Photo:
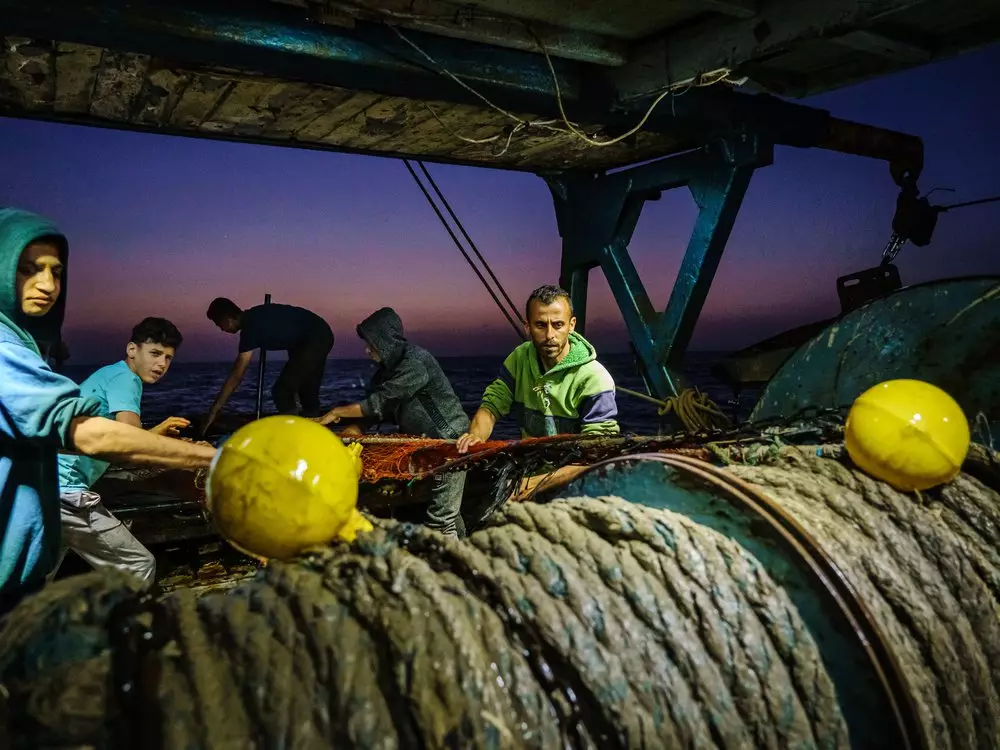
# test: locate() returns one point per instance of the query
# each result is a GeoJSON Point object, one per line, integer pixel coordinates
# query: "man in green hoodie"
{"type": "Point", "coordinates": [553, 383]}
{"type": "Point", "coordinates": [42, 412]}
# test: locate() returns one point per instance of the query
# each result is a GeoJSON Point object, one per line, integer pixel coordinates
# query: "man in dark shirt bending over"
{"type": "Point", "coordinates": [303, 334]}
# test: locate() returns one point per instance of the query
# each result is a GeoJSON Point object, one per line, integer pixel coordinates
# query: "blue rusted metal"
{"type": "Point", "coordinates": [597, 216]}
{"type": "Point", "coordinates": [944, 332]}
{"type": "Point", "coordinates": [872, 694]}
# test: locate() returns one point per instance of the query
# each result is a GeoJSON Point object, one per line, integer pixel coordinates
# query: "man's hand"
{"type": "Point", "coordinates": [466, 441]}
{"type": "Point", "coordinates": [171, 426]}
{"type": "Point", "coordinates": [351, 431]}
{"type": "Point", "coordinates": [329, 417]}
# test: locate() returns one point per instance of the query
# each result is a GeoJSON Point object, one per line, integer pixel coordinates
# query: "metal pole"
{"type": "Point", "coordinates": [260, 369]}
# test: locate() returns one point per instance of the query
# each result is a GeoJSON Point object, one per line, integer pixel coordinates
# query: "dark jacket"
{"type": "Point", "coordinates": [409, 387]}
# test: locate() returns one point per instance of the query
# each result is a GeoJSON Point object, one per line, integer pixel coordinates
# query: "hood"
{"type": "Point", "coordinates": [383, 330]}
{"type": "Point", "coordinates": [580, 353]}
{"type": "Point", "coordinates": [17, 230]}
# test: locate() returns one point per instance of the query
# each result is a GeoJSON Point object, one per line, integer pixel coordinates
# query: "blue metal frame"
{"type": "Point", "coordinates": [597, 216]}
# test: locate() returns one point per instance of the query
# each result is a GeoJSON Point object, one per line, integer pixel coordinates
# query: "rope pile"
{"type": "Point", "coordinates": [580, 623]}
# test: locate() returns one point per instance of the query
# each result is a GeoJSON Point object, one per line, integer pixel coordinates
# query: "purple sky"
{"type": "Point", "coordinates": [159, 225]}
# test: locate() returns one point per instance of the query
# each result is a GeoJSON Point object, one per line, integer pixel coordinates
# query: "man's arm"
{"type": "Point", "coordinates": [403, 385]}
{"type": "Point", "coordinates": [118, 442]}
{"type": "Point", "coordinates": [479, 431]}
{"type": "Point", "coordinates": [598, 407]}
{"type": "Point", "coordinates": [350, 411]}
{"type": "Point", "coordinates": [232, 383]}
{"type": "Point", "coordinates": [169, 426]}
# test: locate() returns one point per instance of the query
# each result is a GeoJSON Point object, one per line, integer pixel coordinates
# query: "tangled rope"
{"type": "Point", "coordinates": [580, 623]}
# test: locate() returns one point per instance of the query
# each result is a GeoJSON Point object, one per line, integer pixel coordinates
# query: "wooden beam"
{"type": "Point", "coordinates": [683, 56]}
{"type": "Point", "coordinates": [881, 45]}
{"type": "Point", "coordinates": [734, 8]}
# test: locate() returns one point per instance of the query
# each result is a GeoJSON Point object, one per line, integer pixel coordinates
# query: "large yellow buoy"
{"type": "Point", "coordinates": [908, 433]}
{"type": "Point", "coordinates": [281, 484]}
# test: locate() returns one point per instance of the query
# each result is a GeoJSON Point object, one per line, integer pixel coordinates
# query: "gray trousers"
{"type": "Point", "coordinates": [96, 535]}
{"type": "Point", "coordinates": [444, 512]}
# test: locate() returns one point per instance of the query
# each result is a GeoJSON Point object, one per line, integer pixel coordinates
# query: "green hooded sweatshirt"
{"type": "Point", "coordinates": [37, 407]}
{"type": "Point", "coordinates": [575, 396]}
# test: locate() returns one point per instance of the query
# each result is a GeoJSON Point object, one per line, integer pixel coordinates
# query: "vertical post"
{"type": "Point", "coordinates": [260, 369]}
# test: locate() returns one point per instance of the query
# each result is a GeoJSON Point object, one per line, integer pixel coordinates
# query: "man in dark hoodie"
{"type": "Point", "coordinates": [410, 389]}
{"type": "Point", "coordinates": [42, 412]}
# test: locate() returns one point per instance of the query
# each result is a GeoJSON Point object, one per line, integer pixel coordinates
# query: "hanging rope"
{"type": "Point", "coordinates": [458, 244]}
{"type": "Point", "coordinates": [461, 228]}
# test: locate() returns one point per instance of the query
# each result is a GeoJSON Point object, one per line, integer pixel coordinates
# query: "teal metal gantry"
{"type": "Point", "coordinates": [597, 215]}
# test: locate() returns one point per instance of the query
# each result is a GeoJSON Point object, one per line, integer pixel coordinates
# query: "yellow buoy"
{"type": "Point", "coordinates": [282, 484]}
{"type": "Point", "coordinates": [908, 433]}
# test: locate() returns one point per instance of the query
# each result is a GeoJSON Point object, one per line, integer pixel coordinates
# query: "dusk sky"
{"type": "Point", "coordinates": [160, 225]}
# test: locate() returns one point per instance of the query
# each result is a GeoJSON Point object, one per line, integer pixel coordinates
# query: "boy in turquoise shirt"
{"type": "Point", "coordinates": [553, 383]}
{"type": "Point", "coordinates": [88, 527]}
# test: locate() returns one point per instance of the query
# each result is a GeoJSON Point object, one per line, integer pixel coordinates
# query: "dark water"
{"type": "Point", "coordinates": [189, 388]}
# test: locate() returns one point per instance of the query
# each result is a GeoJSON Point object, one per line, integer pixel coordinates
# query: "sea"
{"type": "Point", "coordinates": [189, 388]}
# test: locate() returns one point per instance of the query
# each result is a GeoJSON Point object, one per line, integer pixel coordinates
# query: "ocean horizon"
{"type": "Point", "coordinates": [189, 388]}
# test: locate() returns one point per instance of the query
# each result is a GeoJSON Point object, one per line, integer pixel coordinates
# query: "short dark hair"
{"type": "Point", "coordinates": [156, 331]}
{"type": "Point", "coordinates": [546, 295]}
{"type": "Point", "coordinates": [221, 308]}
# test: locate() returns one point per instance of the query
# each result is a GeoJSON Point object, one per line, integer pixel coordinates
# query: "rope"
{"type": "Point", "coordinates": [695, 410]}
{"type": "Point", "coordinates": [461, 228]}
{"type": "Point", "coordinates": [576, 624]}
{"type": "Point", "coordinates": [583, 622]}
{"type": "Point", "coordinates": [927, 567]}
{"type": "Point", "coordinates": [451, 233]}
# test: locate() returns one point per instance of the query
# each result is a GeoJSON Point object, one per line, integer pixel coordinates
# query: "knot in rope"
{"type": "Point", "coordinates": [696, 411]}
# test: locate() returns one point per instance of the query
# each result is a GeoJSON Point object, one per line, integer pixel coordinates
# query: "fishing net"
{"type": "Point", "coordinates": [582, 622]}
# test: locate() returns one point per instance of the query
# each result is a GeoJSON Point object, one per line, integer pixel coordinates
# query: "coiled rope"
{"type": "Point", "coordinates": [583, 622]}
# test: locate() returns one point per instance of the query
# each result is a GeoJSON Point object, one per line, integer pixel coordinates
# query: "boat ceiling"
{"type": "Point", "coordinates": [471, 82]}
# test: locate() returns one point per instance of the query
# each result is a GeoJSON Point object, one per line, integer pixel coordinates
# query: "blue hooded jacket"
{"type": "Point", "coordinates": [37, 407]}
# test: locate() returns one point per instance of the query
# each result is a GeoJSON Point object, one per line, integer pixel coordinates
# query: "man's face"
{"type": "Point", "coordinates": [149, 361]}
{"type": "Point", "coordinates": [549, 327]}
{"type": "Point", "coordinates": [228, 325]}
{"type": "Point", "coordinates": [371, 353]}
{"type": "Point", "coordinates": [38, 278]}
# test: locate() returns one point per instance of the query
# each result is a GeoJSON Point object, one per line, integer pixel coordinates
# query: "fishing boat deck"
{"type": "Point", "coordinates": [458, 82]}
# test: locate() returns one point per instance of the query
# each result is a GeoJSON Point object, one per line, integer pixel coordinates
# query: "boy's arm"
{"type": "Point", "coordinates": [117, 442]}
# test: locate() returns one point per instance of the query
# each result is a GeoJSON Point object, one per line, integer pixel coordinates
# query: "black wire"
{"type": "Point", "coordinates": [994, 199]}
{"type": "Point", "coordinates": [444, 223]}
{"type": "Point", "coordinates": [472, 244]}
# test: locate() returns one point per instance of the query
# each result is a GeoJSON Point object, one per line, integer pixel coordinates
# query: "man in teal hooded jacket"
{"type": "Point", "coordinates": [553, 383]}
{"type": "Point", "coordinates": [42, 412]}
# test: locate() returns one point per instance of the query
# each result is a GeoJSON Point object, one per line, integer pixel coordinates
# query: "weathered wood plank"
{"type": "Point", "coordinates": [27, 78]}
{"type": "Point", "coordinates": [444, 133]}
{"type": "Point", "coordinates": [77, 66]}
{"type": "Point", "coordinates": [376, 122]}
{"type": "Point", "coordinates": [392, 120]}
{"type": "Point", "coordinates": [119, 82]}
{"type": "Point", "coordinates": [329, 120]}
{"type": "Point", "coordinates": [297, 104]}
{"type": "Point", "coordinates": [239, 112]}
{"type": "Point", "coordinates": [161, 91]}
{"type": "Point", "coordinates": [199, 99]}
